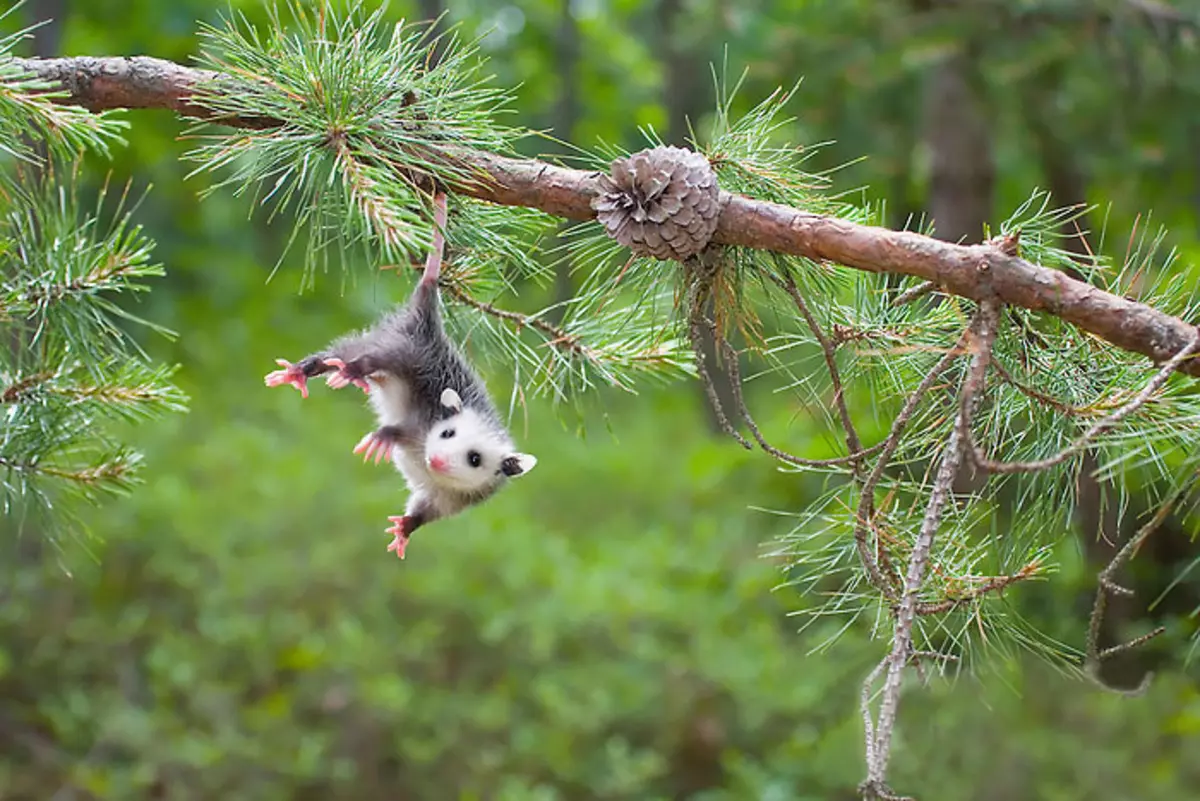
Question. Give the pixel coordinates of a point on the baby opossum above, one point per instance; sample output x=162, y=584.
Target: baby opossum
x=436, y=420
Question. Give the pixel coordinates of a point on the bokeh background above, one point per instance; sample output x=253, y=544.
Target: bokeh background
x=613, y=626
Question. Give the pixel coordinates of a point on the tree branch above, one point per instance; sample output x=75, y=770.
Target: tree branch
x=865, y=515
x=1097, y=428
x=983, y=334
x=143, y=82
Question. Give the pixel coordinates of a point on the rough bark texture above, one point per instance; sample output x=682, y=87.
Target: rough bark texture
x=141, y=82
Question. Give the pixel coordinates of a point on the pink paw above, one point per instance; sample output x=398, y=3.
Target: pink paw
x=290, y=374
x=401, y=530
x=342, y=377
x=377, y=445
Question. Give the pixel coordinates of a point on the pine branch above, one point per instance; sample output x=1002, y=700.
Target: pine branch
x=984, y=586
x=853, y=443
x=112, y=473
x=1097, y=428
x=983, y=334
x=864, y=517
x=140, y=82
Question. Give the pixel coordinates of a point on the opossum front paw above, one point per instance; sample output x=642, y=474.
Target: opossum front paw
x=346, y=375
x=290, y=374
x=379, y=443
x=401, y=530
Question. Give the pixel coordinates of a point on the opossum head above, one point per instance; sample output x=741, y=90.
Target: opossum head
x=469, y=453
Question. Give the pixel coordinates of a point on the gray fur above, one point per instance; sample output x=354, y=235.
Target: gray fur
x=451, y=456
x=411, y=344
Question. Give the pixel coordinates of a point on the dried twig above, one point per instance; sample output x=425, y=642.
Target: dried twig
x=1106, y=584
x=866, y=505
x=696, y=298
x=984, y=587
x=735, y=380
x=1053, y=403
x=912, y=293
x=865, y=706
x=1099, y=427
x=17, y=390
x=983, y=333
x=853, y=443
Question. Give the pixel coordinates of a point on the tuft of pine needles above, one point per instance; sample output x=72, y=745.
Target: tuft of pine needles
x=366, y=121
x=30, y=117
x=71, y=371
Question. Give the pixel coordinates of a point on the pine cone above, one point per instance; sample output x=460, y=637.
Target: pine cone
x=662, y=202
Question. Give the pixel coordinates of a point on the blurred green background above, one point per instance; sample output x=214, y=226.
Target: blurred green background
x=611, y=627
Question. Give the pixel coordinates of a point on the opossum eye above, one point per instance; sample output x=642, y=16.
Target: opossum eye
x=447, y=434
x=474, y=459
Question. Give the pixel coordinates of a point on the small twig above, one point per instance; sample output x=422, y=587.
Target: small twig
x=866, y=505
x=933, y=656
x=699, y=322
x=1053, y=403
x=735, y=380
x=983, y=334
x=878, y=791
x=1099, y=427
x=107, y=471
x=15, y=391
x=988, y=585
x=1106, y=585
x=912, y=293
x=865, y=706
x=853, y=443
x=556, y=337
x=1113, y=650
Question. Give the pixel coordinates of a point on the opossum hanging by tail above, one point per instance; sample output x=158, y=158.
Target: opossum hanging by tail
x=437, y=422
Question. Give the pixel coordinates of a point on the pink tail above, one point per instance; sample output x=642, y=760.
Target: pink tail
x=433, y=263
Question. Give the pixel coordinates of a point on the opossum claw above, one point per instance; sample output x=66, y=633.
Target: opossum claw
x=290, y=374
x=343, y=377
x=400, y=532
x=377, y=445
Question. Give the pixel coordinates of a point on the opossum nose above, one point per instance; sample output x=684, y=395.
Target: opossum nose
x=438, y=463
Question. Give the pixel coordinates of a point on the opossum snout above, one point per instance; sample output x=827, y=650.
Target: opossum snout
x=439, y=463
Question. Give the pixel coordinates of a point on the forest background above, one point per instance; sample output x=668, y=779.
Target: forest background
x=616, y=627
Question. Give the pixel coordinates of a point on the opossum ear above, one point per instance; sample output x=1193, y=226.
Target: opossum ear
x=516, y=464
x=451, y=400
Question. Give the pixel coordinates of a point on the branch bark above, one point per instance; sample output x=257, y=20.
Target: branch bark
x=143, y=82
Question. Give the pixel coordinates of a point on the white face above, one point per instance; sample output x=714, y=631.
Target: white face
x=464, y=453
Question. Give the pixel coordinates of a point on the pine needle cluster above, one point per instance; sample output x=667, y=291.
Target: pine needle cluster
x=70, y=370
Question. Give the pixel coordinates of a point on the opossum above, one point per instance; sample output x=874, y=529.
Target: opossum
x=437, y=422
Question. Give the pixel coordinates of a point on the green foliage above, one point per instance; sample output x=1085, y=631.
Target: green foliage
x=29, y=113
x=70, y=370
x=361, y=107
